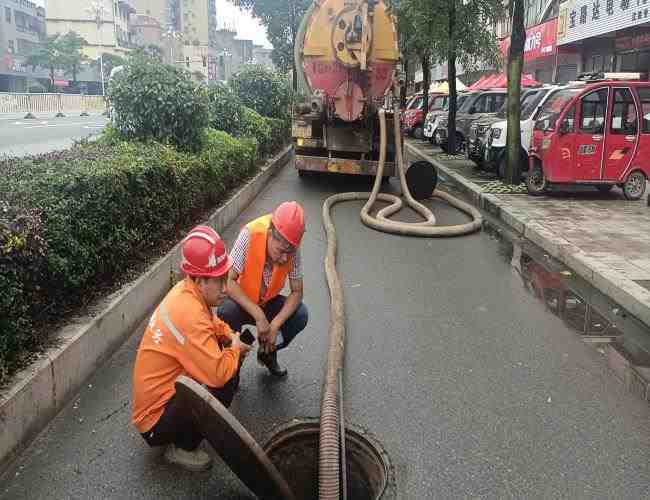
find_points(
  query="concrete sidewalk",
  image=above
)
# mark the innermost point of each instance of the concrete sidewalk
(602, 237)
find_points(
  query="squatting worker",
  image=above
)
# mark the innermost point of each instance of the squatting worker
(184, 337)
(264, 255)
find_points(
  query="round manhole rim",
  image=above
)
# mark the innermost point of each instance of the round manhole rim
(363, 439)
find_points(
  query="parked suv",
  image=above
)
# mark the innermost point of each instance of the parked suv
(597, 134)
(476, 106)
(433, 118)
(413, 118)
(494, 140)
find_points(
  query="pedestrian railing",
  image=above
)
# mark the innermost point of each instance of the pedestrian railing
(50, 103)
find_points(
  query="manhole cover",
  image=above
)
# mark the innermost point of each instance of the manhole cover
(294, 451)
(232, 442)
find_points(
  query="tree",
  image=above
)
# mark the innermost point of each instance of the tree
(73, 57)
(282, 19)
(111, 61)
(455, 31)
(59, 53)
(414, 44)
(515, 66)
(47, 54)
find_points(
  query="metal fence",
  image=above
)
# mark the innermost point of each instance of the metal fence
(50, 103)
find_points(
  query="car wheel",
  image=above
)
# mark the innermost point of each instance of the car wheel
(604, 188)
(634, 186)
(418, 133)
(536, 181)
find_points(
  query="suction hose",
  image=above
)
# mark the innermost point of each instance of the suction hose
(329, 467)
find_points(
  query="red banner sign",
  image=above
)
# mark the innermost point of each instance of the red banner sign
(540, 41)
(632, 42)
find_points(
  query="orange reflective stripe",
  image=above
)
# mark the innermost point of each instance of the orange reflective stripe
(250, 279)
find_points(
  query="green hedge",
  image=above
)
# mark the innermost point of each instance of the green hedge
(159, 101)
(74, 220)
(266, 91)
(229, 114)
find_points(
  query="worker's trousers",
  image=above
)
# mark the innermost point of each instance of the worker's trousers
(176, 425)
(236, 317)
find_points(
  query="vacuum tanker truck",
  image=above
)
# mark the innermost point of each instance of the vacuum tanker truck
(346, 55)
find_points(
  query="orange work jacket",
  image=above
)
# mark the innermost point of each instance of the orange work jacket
(250, 279)
(182, 338)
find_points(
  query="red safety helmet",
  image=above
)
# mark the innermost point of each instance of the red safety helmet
(289, 219)
(204, 254)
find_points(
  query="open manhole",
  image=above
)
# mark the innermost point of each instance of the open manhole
(294, 452)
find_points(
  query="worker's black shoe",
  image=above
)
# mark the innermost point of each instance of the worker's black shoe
(270, 360)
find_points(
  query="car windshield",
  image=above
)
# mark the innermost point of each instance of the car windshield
(530, 103)
(552, 108)
(467, 103)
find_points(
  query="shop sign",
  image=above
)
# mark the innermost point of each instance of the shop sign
(540, 41)
(580, 19)
(632, 42)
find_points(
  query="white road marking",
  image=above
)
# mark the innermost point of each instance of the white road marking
(98, 125)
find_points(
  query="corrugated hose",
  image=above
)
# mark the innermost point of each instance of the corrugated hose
(329, 467)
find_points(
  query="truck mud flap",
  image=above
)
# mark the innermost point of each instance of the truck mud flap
(342, 165)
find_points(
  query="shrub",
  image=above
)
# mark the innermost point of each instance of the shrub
(225, 109)
(157, 101)
(76, 219)
(22, 254)
(263, 90)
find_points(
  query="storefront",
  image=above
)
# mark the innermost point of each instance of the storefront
(539, 51)
(633, 50)
(608, 34)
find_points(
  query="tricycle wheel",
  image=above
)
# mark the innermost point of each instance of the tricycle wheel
(604, 188)
(634, 186)
(536, 181)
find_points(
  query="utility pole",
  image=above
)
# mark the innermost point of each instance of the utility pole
(97, 11)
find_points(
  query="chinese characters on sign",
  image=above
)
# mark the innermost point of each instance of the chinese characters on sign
(540, 41)
(580, 19)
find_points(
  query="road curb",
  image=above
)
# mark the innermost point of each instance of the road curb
(620, 289)
(43, 388)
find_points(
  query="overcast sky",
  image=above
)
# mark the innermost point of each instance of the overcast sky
(247, 27)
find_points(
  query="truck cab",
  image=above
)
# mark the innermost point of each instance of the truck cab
(596, 134)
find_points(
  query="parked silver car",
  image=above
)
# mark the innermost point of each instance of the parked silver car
(477, 105)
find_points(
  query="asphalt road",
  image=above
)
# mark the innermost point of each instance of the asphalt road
(19, 137)
(470, 385)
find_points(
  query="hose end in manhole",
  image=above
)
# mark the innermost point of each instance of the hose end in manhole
(293, 449)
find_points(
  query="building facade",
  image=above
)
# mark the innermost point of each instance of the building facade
(610, 35)
(114, 34)
(22, 27)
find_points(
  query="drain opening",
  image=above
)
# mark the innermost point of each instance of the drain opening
(294, 452)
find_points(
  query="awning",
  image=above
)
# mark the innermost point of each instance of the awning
(500, 81)
(443, 87)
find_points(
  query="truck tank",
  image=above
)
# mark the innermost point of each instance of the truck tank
(346, 55)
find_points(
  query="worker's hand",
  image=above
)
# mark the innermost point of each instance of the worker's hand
(263, 328)
(271, 338)
(244, 348)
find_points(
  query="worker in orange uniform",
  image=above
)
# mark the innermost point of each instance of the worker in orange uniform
(184, 337)
(265, 254)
